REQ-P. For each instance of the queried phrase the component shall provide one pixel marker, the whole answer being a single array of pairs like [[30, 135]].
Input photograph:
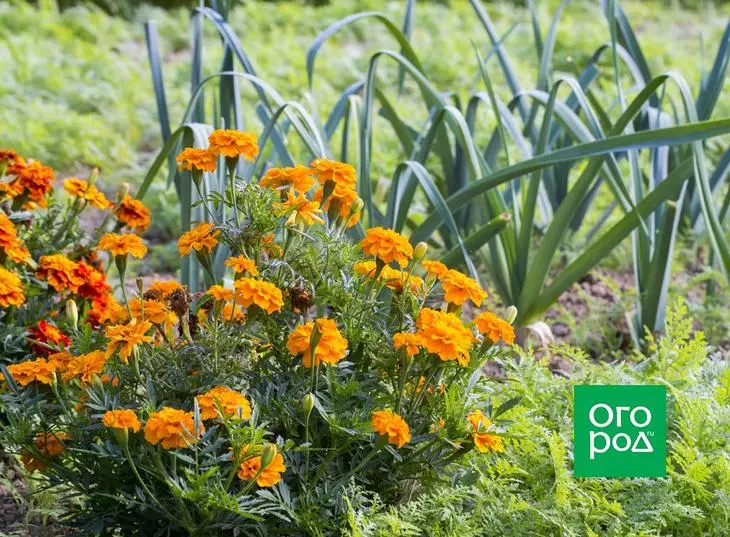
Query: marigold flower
[[94, 282], [125, 337], [47, 337], [232, 143], [60, 360], [459, 288], [397, 280], [218, 292], [435, 269], [495, 328], [444, 335], [231, 402], [331, 346], [79, 188], [263, 294], [484, 441], [387, 245], [302, 210], [59, 271], [152, 310], [242, 265], [410, 342], [269, 476], [201, 160], [340, 202], [202, 237], [38, 370], [333, 172], [106, 309], [233, 313], [123, 244], [172, 428], [365, 268], [85, 367], [11, 289], [35, 179], [391, 426], [164, 288], [9, 241], [268, 245], [122, 418], [133, 213], [49, 444], [8, 156], [297, 177]]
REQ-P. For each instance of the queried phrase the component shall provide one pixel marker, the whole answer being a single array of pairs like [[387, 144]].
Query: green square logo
[[620, 431]]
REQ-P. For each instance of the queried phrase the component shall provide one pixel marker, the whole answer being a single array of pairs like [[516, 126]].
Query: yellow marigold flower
[[387, 245], [60, 360], [11, 289], [202, 237], [411, 342], [233, 313], [391, 426], [59, 271], [49, 444], [459, 288], [219, 292], [172, 428], [152, 310], [85, 367], [231, 402], [495, 328], [232, 143], [125, 337], [435, 269], [242, 265], [484, 441], [39, 370], [302, 210], [263, 294], [365, 268], [123, 244], [133, 213], [164, 288], [330, 349], [269, 476], [336, 173], [444, 335], [397, 280], [122, 418], [79, 188], [340, 202], [297, 177], [202, 160]]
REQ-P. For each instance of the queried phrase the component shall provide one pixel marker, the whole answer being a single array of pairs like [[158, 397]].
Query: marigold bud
[[308, 404], [510, 314], [123, 191], [357, 206], [93, 176], [72, 313], [419, 252], [267, 454]]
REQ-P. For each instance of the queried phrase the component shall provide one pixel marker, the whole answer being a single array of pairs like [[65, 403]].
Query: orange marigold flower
[[300, 210], [410, 342], [365, 268], [339, 203], [444, 335], [47, 337], [204, 236], [201, 160], [263, 294], [11, 289], [35, 179], [219, 292], [79, 188], [435, 269], [8, 156], [269, 476], [333, 172], [164, 287], [123, 244], [233, 313], [60, 360], [59, 271], [232, 143], [122, 418], [133, 213], [231, 402], [391, 426], [94, 282], [172, 428], [151, 310], [397, 280], [495, 328], [85, 367], [9, 241], [39, 370], [331, 346], [297, 177], [242, 265], [125, 338], [106, 309], [483, 440], [387, 245], [48, 444], [459, 288]]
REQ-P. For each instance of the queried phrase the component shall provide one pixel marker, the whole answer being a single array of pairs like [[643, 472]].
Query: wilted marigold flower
[[231, 402], [79, 188], [46, 337], [391, 426], [297, 177], [444, 335], [49, 444], [172, 428], [269, 476], [459, 288], [38, 370], [119, 244], [265, 295], [302, 210], [435, 269], [495, 328], [410, 342], [232, 143], [242, 265], [133, 213], [335, 173], [122, 418], [85, 367], [201, 160], [125, 337], [59, 271], [387, 245], [331, 346], [11, 289], [204, 236], [484, 441]]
